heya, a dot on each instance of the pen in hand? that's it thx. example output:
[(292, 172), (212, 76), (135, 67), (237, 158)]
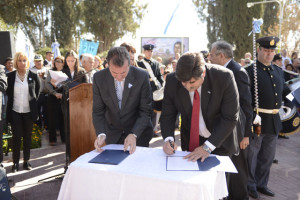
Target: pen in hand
[(172, 145)]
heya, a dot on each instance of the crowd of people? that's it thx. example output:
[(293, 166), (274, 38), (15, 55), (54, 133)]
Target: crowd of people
[(137, 99)]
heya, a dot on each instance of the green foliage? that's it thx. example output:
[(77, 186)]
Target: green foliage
[(43, 51), (110, 20), (232, 21), (36, 137), (64, 22)]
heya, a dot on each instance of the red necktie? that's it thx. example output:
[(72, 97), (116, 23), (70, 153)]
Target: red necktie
[(194, 134)]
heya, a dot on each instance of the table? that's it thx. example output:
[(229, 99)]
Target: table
[(141, 175)]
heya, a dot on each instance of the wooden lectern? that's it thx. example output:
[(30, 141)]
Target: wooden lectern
[(82, 131)]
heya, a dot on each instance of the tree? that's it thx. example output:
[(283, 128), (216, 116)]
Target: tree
[(110, 20), (290, 36), (64, 20), (30, 15), (232, 21)]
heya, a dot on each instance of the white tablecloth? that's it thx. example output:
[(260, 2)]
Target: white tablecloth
[(141, 176)]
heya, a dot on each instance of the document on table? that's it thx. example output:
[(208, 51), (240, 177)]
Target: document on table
[(109, 156), (212, 163), (58, 76)]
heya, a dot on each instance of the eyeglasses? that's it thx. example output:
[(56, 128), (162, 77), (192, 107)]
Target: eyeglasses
[(247, 62), (59, 61)]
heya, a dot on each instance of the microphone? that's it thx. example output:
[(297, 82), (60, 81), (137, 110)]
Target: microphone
[(63, 84)]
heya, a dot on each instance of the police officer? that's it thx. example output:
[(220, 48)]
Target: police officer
[(148, 51), (271, 90), (152, 66)]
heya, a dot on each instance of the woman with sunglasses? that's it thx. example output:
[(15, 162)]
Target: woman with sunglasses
[(54, 104)]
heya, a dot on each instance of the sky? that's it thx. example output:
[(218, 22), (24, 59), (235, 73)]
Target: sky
[(185, 23)]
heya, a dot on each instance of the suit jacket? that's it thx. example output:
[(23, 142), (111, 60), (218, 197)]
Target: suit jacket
[(136, 109), (219, 107), (3, 86), (243, 83), (34, 92), (271, 91)]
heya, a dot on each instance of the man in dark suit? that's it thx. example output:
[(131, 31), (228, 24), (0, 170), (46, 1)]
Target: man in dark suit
[(207, 98), (222, 54), (3, 86), (122, 103), (271, 92)]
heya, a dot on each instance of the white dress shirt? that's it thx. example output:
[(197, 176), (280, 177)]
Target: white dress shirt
[(21, 96), (202, 127), (122, 89)]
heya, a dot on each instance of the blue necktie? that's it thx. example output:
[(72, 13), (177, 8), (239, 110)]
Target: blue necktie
[(119, 92)]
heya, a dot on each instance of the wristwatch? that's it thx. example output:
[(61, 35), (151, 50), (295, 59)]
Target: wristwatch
[(206, 148)]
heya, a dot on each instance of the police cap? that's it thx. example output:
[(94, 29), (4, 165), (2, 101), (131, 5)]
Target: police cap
[(148, 47), (269, 42), (277, 57)]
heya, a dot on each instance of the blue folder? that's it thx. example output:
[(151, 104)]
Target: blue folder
[(206, 165), (111, 157)]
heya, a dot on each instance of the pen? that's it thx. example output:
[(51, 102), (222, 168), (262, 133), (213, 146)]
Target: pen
[(171, 144)]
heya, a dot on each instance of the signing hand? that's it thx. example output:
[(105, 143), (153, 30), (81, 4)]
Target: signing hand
[(130, 140), (99, 143), (244, 143), (198, 153), (168, 149)]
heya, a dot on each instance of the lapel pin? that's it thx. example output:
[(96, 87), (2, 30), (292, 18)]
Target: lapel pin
[(129, 85), (208, 92)]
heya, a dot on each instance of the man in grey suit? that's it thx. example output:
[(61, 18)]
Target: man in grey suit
[(222, 54), (122, 103), (214, 90)]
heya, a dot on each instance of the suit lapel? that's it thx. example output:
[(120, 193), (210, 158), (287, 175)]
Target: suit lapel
[(185, 99), (129, 82), (205, 94), (111, 88)]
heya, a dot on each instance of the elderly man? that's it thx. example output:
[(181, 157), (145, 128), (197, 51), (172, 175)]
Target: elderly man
[(222, 54), (88, 61), (42, 100), (122, 103)]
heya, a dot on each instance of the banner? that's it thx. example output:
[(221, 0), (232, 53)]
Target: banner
[(86, 46)]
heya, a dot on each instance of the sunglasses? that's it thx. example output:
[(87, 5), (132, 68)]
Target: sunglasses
[(58, 61)]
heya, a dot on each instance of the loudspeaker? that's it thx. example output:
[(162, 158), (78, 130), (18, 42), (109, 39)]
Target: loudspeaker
[(7, 45)]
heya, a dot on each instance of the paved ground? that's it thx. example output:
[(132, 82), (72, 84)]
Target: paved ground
[(48, 161)]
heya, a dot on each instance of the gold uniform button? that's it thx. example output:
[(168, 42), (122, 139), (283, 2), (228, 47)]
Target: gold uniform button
[(275, 94), (276, 104), (271, 76), (274, 85), (265, 69)]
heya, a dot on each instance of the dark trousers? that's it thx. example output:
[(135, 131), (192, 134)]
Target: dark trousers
[(238, 182), (261, 154), (55, 117), (42, 109), (21, 126)]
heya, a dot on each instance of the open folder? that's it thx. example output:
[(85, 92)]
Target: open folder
[(109, 156)]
